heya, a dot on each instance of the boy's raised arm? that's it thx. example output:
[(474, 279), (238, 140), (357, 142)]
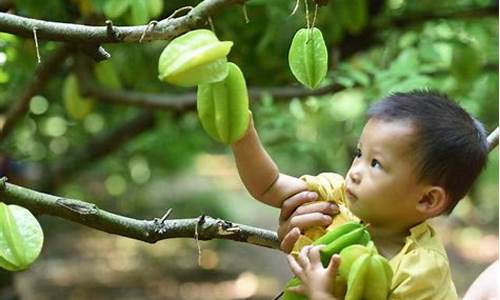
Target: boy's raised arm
[(259, 173)]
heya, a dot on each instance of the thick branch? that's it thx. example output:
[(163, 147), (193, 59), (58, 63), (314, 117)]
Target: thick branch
[(75, 33), (151, 231), (187, 101), (40, 78)]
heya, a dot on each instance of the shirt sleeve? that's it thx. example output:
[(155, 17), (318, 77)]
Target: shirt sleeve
[(423, 274)]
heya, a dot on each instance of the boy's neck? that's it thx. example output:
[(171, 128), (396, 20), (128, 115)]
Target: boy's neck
[(389, 241)]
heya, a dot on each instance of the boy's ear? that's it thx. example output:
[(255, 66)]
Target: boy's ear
[(433, 202)]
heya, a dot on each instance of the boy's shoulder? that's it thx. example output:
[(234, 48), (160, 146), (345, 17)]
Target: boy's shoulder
[(422, 238), (421, 268)]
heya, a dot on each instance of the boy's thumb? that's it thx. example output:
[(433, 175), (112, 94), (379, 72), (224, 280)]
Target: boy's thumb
[(289, 240)]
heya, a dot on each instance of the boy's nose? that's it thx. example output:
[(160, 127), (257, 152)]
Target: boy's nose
[(354, 176)]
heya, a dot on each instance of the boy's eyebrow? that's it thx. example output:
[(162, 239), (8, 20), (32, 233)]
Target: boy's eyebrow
[(376, 151)]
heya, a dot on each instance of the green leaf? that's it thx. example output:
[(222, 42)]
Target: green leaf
[(106, 74), (465, 62), (353, 14), (115, 8), (347, 105), (359, 76), (155, 7), (76, 106), (138, 12)]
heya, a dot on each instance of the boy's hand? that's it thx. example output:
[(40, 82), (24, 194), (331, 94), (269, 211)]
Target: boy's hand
[(295, 218), (317, 281)]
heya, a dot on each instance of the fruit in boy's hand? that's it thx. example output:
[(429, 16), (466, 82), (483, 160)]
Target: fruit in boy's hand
[(223, 106), (308, 57), (194, 58), (356, 236), (21, 237), (367, 273), (288, 295), (329, 187)]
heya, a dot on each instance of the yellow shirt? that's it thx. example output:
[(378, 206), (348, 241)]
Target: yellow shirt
[(421, 269)]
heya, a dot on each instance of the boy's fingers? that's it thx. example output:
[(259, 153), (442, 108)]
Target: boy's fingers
[(302, 258), (310, 220), (290, 204), (289, 240), (333, 265), (314, 255), (326, 208), (294, 265)]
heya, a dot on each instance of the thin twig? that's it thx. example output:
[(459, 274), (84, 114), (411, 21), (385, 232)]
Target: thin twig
[(189, 8), (36, 45), (315, 13), (212, 27), (200, 221), (307, 14), (111, 30), (150, 27), (245, 14), (296, 7)]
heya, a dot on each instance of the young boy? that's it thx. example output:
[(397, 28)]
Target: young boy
[(417, 156)]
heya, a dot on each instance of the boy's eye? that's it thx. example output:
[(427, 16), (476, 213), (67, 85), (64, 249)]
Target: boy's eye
[(375, 163), (357, 154)]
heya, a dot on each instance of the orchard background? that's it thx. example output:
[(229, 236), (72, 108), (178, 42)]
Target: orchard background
[(135, 147)]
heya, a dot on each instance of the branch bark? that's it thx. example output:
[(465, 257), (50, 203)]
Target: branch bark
[(151, 231), (84, 34), (493, 140)]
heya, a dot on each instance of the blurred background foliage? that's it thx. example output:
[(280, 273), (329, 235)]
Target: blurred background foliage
[(375, 48)]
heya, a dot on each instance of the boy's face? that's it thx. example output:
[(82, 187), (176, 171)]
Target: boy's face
[(381, 184)]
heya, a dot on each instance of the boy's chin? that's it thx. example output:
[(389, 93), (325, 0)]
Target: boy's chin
[(355, 208)]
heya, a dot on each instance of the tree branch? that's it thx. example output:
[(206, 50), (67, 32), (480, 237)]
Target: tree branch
[(84, 34), (493, 140), (151, 231), (40, 78), (187, 101)]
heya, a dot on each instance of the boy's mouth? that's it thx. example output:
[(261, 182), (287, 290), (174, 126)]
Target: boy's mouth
[(350, 194)]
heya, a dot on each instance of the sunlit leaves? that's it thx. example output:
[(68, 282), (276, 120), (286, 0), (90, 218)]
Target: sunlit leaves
[(136, 12), (38, 105)]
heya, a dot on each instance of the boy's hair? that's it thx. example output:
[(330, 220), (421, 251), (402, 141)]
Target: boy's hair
[(451, 146)]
